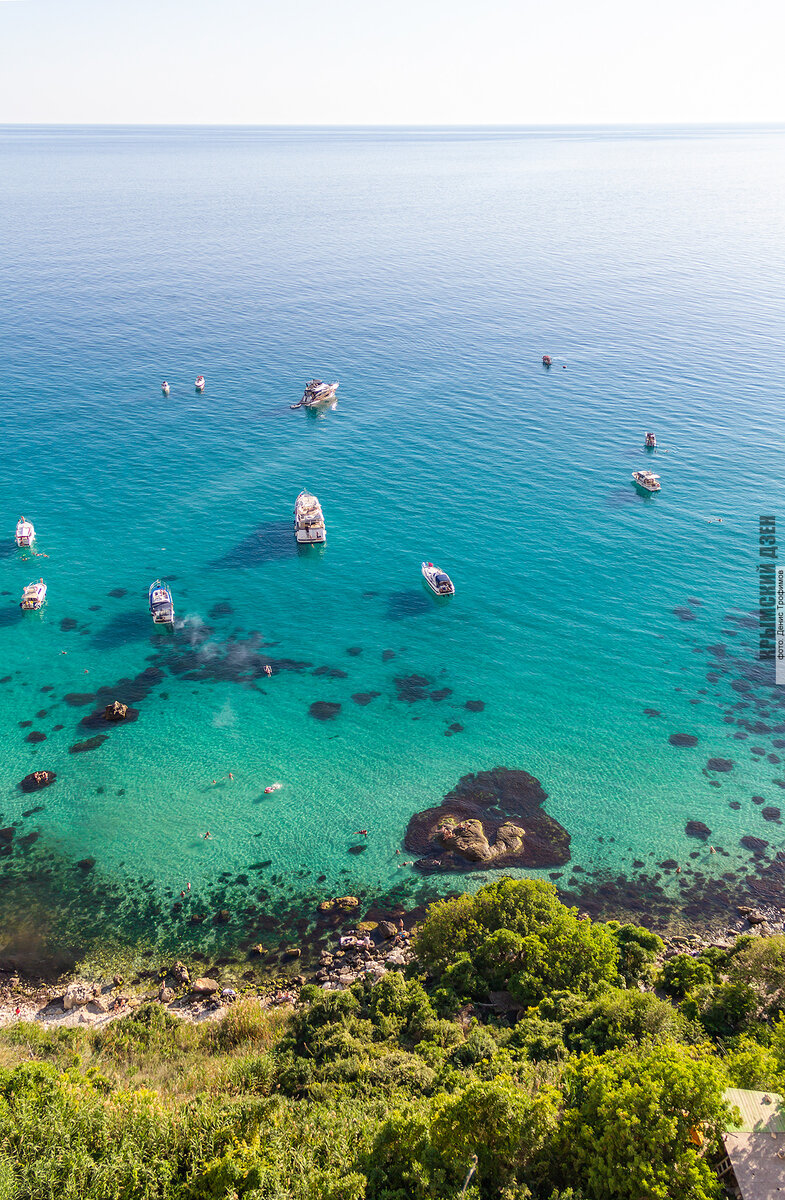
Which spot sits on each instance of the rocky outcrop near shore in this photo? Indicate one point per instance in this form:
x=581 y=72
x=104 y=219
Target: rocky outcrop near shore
x=37 y=780
x=492 y=819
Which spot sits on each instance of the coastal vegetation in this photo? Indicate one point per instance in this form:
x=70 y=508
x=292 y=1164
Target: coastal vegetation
x=527 y=1051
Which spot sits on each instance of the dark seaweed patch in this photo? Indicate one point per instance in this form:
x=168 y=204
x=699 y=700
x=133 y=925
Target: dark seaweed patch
x=324 y=710
x=67 y=624
x=441 y=694
x=684 y=614
x=697 y=829
x=222 y=609
x=683 y=739
x=117 y=593
x=354 y=651
x=408 y=604
x=719 y=764
x=386 y=655
x=411 y=688
x=330 y=672
x=770 y=813
x=90 y=744
x=79 y=699
x=363 y=698
x=132 y=626
x=35 y=736
x=474 y=705
x=272 y=541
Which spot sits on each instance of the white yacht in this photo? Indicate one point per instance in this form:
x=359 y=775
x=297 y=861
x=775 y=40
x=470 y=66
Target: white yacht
x=438 y=581
x=33 y=596
x=308 y=520
x=165 y=388
x=161 y=603
x=651 y=441
x=25 y=533
x=647 y=480
x=200 y=382
x=317 y=392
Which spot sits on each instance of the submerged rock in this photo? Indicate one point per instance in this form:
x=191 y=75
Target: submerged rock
x=494 y=818
x=697 y=829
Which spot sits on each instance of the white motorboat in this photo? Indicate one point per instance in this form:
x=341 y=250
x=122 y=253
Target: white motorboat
x=33 y=596
x=308 y=520
x=647 y=480
x=200 y=382
x=651 y=441
x=165 y=388
x=25 y=533
x=161 y=603
x=317 y=392
x=438 y=580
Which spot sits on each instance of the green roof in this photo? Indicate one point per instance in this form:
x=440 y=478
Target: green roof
x=759 y=1110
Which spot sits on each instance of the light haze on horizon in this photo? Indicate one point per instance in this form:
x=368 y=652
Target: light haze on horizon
x=412 y=62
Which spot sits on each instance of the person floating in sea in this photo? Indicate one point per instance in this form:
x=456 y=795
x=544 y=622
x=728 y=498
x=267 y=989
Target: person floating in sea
x=207 y=835
x=360 y=833
x=268 y=669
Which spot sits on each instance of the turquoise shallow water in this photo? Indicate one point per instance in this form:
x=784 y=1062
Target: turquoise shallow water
x=428 y=271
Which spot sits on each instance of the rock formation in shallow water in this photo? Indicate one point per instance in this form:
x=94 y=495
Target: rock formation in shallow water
x=492 y=819
x=38 y=779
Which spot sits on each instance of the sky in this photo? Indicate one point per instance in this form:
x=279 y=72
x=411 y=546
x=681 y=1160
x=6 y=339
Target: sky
x=369 y=62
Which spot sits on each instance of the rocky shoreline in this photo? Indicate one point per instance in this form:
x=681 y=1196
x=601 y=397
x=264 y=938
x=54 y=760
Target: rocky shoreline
x=355 y=950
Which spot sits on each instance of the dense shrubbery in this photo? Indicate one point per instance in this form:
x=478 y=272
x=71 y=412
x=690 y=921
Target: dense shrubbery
x=526 y=1054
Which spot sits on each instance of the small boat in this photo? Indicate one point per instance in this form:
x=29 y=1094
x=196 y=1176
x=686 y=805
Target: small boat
x=546 y=360
x=200 y=382
x=33 y=596
x=438 y=581
x=161 y=603
x=25 y=533
x=651 y=441
x=165 y=387
x=308 y=520
x=317 y=392
x=647 y=480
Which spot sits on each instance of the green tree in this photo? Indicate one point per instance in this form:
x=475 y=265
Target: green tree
x=761 y=965
x=638 y=948
x=495 y=1126
x=516 y=934
x=683 y=973
x=631 y=1122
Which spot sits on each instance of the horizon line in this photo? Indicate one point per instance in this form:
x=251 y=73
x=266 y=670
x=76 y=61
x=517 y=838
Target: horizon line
x=725 y=124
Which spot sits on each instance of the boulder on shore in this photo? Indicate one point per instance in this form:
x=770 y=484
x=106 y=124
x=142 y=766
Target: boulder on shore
x=38 y=780
x=205 y=987
x=116 y=711
x=180 y=973
x=76 y=995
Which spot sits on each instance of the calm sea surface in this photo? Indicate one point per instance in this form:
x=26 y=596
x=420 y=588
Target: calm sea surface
x=428 y=271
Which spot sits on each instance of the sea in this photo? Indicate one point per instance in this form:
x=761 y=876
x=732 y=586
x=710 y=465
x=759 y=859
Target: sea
x=604 y=640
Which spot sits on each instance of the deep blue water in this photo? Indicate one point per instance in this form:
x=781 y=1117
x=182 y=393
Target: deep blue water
x=428 y=271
